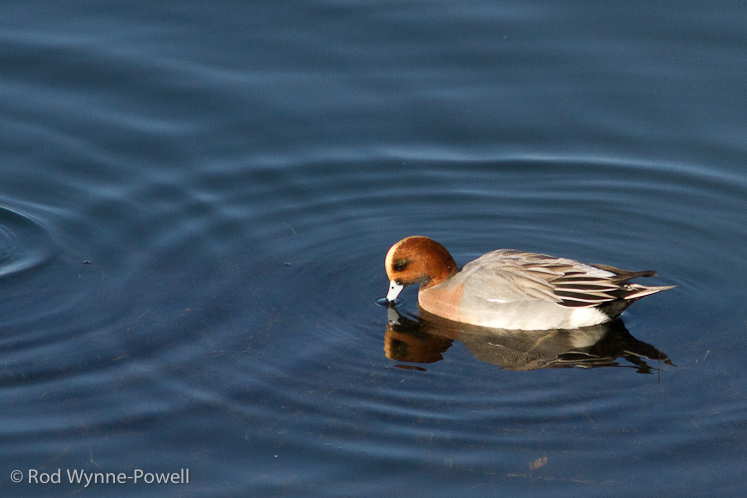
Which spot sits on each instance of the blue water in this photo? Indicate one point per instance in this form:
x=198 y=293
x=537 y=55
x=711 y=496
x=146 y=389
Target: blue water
x=195 y=204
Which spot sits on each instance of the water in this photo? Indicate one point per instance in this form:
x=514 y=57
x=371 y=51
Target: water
x=196 y=201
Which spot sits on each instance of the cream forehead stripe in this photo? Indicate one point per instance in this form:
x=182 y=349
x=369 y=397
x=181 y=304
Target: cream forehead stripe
x=390 y=255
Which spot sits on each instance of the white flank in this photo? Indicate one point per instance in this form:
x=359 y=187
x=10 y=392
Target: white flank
x=583 y=317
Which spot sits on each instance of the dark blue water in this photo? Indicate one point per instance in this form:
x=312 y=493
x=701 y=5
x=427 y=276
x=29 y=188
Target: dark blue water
x=196 y=199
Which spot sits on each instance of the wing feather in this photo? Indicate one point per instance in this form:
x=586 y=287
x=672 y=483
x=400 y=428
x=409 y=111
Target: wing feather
x=509 y=276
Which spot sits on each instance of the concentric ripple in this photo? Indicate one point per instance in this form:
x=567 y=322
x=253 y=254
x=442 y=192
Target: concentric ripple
x=24 y=243
x=314 y=342
x=251 y=290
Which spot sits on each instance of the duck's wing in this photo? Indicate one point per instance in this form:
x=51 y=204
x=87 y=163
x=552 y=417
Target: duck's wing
x=507 y=275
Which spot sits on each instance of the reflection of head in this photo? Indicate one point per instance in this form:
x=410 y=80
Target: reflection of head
x=405 y=340
x=421 y=348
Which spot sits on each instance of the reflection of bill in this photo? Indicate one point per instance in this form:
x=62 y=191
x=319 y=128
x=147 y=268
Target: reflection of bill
x=426 y=338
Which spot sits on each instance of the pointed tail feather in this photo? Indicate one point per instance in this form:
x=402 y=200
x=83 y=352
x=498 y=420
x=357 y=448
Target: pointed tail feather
x=642 y=291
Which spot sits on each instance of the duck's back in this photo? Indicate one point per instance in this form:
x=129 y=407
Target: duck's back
x=517 y=290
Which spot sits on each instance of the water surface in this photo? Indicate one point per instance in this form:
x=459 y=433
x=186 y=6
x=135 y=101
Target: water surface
x=197 y=199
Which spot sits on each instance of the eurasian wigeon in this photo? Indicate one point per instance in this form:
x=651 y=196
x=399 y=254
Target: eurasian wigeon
x=511 y=289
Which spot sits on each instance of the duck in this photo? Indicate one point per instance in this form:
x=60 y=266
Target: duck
x=512 y=290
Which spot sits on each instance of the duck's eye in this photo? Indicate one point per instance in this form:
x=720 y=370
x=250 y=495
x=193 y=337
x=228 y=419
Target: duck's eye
x=400 y=265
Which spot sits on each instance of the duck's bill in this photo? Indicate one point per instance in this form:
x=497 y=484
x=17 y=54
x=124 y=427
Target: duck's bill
x=394 y=290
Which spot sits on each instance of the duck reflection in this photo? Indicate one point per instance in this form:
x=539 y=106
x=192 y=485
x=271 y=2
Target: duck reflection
x=425 y=340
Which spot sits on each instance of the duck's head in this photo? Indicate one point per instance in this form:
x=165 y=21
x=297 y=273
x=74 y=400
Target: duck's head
x=417 y=260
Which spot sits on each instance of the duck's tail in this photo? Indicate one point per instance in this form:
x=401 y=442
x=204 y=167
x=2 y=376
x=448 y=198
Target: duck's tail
x=639 y=291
